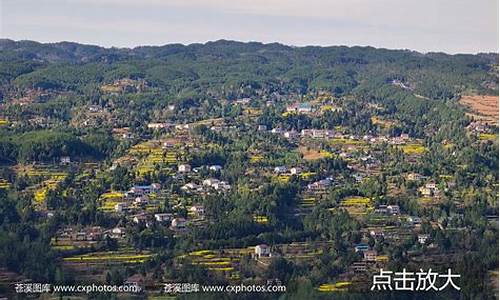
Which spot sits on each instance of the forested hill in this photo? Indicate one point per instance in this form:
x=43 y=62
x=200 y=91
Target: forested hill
x=234 y=69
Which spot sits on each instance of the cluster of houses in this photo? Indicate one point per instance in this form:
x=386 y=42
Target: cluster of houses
x=139 y=196
x=477 y=127
x=147 y=220
x=429 y=190
x=415 y=177
x=209 y=183
x=391 y=210
x=320 y=184
x=320 y=133
x=331 y=134
x=284 y=170
x=298 y=107
x=90 y=234
x=136 y=197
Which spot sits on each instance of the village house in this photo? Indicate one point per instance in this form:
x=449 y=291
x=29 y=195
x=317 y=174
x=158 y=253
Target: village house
x=159 y=125
x=361 y=247
x=141 y=190
x=210 y=181
x=127 y=136
x=191 y=186
x=377 y=233
x=140 y=219
x=295 y=171
x=393 y=209
x=182 y=126
x=415 y=177
x=163 y=217
x=216 y=184
x=317 y=133
x=358 y=177
x=388 y=209
x=243 y=101
x=320 y=185
x=94 y=108
x=141 y=200
x=117 y=233
x=370 y=255
x=399 y=140
x=280 y=169
x=121 y=207
x=184 y=168
x=221 y=185
x=215 y=168
x=414 y=220
x=423 y=238
x=428 y=190
x=291 y=134
x=168 y=144
x=322 y=133
x=262 y=250
x=306 y=132
x=300 y=108
x=197 y=210
x=217 y=128
x=345 y=154
x=178 y=223
x=404 y=136
x=277 y=130
x=94 y=233
x=478 y=127
x=65 y=160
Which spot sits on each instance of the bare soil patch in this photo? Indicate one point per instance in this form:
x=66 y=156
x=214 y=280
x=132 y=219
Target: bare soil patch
x=484 y=108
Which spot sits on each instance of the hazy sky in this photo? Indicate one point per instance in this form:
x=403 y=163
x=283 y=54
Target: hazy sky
x=425 y=25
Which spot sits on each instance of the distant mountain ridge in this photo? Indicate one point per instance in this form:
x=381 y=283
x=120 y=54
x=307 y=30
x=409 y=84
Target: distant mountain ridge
x=224 y=64
x=72 y=51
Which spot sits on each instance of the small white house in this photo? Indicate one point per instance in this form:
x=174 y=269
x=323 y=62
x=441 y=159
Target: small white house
x=262 y=250
x=118 y=232
x=280 y=169
x=291 y=134
x=210 y=181
x=215 y=168
x=121 y=207
x=393 y=209
x=431 y=186
x=141 y=200
x=377 y=233
x=190 y=186
x=423 y=238
x=163 y=217
x=65 y=160
x=184 y=168
x=155 y=187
